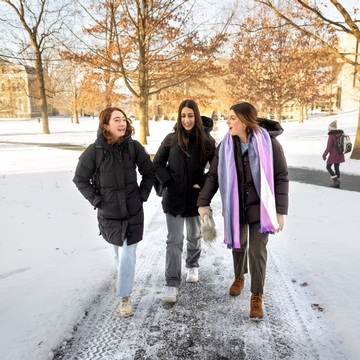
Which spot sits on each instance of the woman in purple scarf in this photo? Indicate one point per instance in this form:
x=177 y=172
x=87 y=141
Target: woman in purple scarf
x=250 y=169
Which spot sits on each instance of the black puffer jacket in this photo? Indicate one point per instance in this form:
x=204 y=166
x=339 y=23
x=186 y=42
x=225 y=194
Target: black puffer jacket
x=248 y=198
x=119 y=198
x=175 y=170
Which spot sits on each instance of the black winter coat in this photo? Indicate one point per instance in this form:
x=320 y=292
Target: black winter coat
x=175 y=170
x=248 y=198
x=119 y=198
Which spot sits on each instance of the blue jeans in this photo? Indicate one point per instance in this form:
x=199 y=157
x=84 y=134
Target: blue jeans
x=124 y=261
x=174 y=246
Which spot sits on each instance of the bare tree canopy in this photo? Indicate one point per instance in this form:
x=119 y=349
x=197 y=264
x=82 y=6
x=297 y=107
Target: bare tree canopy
x=308 y=17
x=29 y=30
x=341 y=17
x=151 y=45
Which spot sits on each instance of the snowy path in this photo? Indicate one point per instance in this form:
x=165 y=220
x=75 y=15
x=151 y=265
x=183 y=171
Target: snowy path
x=205 y=323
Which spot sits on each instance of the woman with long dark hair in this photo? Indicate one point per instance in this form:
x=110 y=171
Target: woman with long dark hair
x=106 y=176
x=180 y=167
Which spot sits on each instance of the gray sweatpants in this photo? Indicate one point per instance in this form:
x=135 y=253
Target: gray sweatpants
x=253 y=246
x=174 y=246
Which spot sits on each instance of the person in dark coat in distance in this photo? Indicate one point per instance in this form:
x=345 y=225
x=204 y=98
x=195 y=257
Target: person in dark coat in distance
x=250 y=169
x=335 y=158
x=117 y=196
x=180 y=167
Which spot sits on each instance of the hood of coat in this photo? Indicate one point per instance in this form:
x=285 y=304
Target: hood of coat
x=273 y=127
x=99 y=131
x=335 y=132
x=101 y=140
x=207 y=123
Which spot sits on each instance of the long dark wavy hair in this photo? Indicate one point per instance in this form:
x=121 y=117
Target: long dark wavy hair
x=104 y=119
x=182 y=137
x=247 y=113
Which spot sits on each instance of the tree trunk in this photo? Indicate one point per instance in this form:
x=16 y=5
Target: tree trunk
x=301 y=113
x=43 y=99
x=142 y=119
x=356 y=149
x=278 y=114
x=306 y=117
x=76 y=121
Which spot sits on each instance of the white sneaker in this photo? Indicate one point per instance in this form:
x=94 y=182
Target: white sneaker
x=125 y=308
x=170 y=294
x=192 y=275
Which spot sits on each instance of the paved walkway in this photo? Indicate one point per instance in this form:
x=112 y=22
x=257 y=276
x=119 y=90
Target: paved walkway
x=322 y=178
x=303 y=175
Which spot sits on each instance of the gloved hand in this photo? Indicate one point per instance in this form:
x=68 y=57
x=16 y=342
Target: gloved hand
x=324 y=158
x=204 y=210
x=280 y=220
x=208 y=230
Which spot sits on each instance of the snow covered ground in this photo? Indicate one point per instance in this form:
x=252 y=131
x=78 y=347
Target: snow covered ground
x=53 y=264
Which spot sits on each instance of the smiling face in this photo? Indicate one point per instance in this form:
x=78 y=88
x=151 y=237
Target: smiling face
x=236 y=127
x=187 y=118
x=117 y=125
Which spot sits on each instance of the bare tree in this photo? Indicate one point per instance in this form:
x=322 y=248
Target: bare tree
x=274 y=65
x=308 y=16
x=152 y=45
x=30 y=29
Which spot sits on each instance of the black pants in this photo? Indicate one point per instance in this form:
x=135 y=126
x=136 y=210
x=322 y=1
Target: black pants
x=331 y=171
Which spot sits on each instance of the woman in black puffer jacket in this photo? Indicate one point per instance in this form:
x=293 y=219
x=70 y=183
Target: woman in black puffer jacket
x=118 y=198
x=180 y=163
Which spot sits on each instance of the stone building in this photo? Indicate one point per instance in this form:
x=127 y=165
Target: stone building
x=18 y=91
x=348 y=83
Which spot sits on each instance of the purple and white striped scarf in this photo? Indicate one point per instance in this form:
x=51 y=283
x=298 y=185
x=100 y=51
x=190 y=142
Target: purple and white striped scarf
x=261 y=165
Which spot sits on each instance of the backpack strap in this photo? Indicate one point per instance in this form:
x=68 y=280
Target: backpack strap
x=100 y=153
x=131 y=151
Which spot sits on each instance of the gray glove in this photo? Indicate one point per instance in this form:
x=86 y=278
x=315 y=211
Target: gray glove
x=208 y=230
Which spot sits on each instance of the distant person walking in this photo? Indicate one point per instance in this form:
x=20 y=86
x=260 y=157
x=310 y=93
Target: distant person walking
x=335 y=158
x=180 y=167
x=250 y=169
x=106 y=176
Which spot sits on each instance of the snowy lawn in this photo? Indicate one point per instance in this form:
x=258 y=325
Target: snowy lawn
x=53 y=263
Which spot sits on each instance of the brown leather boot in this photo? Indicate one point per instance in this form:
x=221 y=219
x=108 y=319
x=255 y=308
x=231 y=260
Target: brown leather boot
x=336 y=182
x=237 y=286
x=256 y=310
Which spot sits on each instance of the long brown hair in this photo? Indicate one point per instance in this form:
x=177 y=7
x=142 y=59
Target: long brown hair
x=247 y=113
x=104 y=119
x=181 y=136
